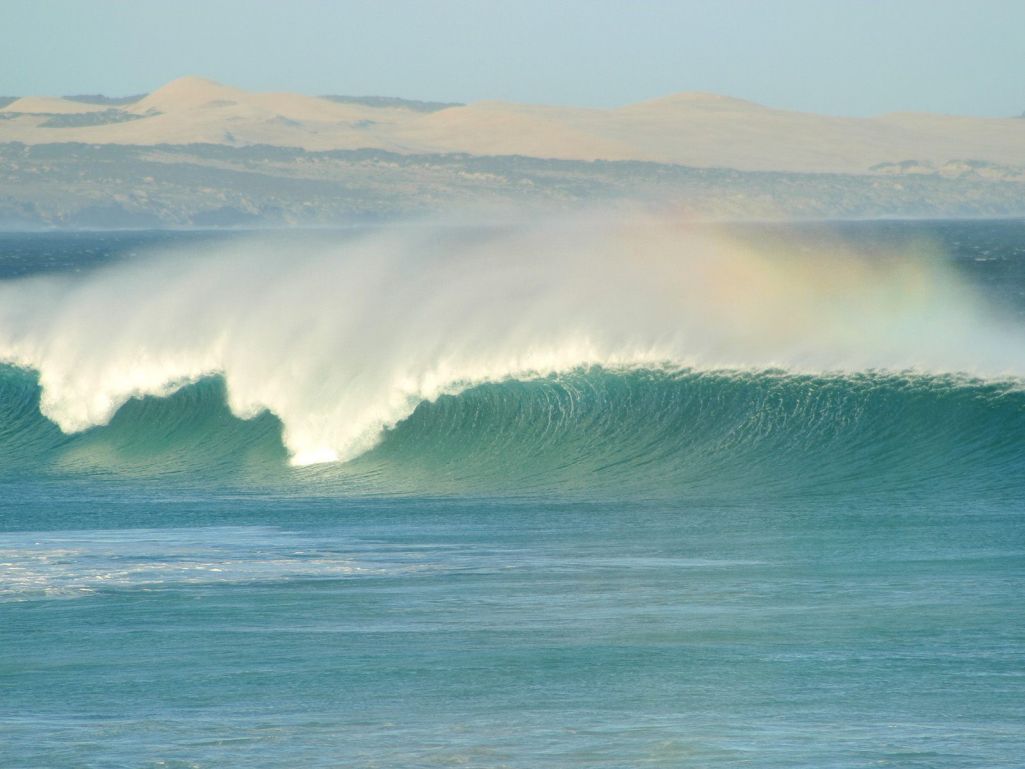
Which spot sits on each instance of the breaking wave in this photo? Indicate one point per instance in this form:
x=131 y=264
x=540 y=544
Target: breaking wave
x=636 y=354
x=590 y=432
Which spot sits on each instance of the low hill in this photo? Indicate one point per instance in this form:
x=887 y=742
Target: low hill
x=692 y=129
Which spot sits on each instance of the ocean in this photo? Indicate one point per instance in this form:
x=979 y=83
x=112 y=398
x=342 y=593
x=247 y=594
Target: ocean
x=595 y=492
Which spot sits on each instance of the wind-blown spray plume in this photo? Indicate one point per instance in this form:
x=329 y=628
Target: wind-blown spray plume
x=343 y=341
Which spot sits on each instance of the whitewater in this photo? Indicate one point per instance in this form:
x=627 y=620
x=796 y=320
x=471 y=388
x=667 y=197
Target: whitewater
x=343 y=341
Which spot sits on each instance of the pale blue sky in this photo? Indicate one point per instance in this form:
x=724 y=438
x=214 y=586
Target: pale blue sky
x=855 y=57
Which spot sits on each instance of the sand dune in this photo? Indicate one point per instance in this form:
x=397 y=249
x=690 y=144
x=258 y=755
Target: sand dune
x=49 y=105
x=695 y=129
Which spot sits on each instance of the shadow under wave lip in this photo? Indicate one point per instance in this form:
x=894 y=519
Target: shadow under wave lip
x=588 y=433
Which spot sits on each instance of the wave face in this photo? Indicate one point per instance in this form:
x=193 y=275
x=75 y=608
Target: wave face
x=595 y=352
x=587 y=433
x=712 y=434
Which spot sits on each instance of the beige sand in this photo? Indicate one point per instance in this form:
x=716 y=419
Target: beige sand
x=692 y=129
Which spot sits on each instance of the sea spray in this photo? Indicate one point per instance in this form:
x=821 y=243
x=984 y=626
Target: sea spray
x=343 y=341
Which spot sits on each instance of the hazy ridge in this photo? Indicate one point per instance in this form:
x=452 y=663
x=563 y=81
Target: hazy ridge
x=200 y=153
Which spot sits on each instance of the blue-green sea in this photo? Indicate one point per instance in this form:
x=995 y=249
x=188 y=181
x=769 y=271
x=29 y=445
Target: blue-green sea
x=453 y=496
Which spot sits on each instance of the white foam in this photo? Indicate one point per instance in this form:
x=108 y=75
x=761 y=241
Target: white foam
x=74 y=564
x=342 y=340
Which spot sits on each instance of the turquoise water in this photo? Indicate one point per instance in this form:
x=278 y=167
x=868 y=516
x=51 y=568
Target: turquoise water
x=665 y=565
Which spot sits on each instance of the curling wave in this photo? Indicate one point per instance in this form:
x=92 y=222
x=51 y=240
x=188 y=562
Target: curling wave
x=554 y=337
x=644 y=433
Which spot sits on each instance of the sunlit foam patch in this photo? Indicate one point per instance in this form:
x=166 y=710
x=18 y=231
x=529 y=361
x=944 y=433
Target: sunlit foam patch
x=314 y=457
x=69 y=564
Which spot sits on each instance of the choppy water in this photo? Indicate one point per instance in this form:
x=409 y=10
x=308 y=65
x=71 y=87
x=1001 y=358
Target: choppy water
x=717 y=526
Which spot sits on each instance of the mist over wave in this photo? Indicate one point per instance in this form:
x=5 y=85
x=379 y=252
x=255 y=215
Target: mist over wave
x=342 y=341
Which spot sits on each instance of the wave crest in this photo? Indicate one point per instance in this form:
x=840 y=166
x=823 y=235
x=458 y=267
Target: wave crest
x=342 y=341
x=589 y=432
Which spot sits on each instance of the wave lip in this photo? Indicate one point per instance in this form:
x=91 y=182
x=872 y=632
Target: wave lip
x=588 y=433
